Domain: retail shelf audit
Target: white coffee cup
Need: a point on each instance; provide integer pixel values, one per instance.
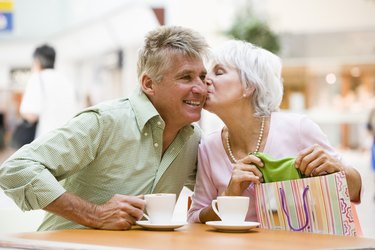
(160, 207)
(231, 209)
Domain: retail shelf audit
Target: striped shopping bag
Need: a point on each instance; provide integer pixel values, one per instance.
(316, 204)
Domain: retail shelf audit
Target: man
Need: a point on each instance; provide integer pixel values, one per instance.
(49, 97)
(111, 154)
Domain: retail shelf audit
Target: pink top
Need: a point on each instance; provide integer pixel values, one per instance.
(288, 135)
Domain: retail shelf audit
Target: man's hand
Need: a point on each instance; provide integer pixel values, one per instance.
(119, 213)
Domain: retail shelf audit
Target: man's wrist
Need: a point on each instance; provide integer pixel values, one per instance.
(93, 217)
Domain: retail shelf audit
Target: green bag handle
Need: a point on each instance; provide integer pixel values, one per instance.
(278, 169)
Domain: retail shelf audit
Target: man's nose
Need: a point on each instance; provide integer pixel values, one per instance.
(200, 87)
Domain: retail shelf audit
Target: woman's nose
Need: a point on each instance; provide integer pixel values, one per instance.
(208, 81)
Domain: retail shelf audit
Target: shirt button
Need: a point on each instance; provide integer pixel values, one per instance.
(159, 123)
(146, 134)
(156, 144)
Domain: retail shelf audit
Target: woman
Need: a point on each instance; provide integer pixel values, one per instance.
(245, 91)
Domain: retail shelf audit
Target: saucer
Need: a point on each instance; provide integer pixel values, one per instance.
(160, 227)
(238, 227)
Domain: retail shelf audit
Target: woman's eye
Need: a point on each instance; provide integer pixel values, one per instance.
(219, 72)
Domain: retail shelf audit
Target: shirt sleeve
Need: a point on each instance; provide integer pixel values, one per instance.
(31, 176)
(205, 190)
(32, 100)
(310, 134)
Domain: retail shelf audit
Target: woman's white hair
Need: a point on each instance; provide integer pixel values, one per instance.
(258, 69)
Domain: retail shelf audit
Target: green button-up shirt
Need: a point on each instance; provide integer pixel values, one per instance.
(112, 148)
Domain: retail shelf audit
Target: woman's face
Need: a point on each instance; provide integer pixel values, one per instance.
(224, 87)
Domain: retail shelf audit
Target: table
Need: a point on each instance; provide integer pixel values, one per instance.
(194, 236)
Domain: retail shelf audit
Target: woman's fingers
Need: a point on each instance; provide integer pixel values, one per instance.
(252, 159)
(247, 168)
(314, 161)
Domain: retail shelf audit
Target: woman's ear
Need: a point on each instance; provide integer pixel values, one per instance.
(248, 91)
(147, 85)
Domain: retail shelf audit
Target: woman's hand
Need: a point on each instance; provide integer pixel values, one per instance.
(314, 161)
(244, 172)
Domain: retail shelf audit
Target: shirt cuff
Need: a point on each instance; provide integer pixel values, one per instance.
(38, 193)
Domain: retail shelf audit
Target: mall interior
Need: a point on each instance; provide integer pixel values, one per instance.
(327, 49)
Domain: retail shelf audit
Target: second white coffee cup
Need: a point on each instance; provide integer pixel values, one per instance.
(231, 209)
(160, 207)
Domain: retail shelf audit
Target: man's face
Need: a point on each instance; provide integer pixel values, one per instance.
(180, 95)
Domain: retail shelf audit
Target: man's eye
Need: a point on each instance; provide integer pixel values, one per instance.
(202, 77)
(186, 77)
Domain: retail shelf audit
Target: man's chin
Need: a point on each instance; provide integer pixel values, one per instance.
(195, 118)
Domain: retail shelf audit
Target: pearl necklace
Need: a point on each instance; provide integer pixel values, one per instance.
(258, 142)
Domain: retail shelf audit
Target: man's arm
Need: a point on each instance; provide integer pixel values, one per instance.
(31, 118)
(119, 213)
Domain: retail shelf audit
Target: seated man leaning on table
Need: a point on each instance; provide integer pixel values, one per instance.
(245, 91)
(110, 154)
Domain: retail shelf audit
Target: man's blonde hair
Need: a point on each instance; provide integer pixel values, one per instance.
(164, 42)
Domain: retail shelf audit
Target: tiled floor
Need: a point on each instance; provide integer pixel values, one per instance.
(361, 160)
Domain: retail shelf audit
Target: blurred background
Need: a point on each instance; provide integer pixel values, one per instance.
(327, 48)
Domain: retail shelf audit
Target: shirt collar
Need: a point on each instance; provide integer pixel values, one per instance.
(144, 111)
(143, 108)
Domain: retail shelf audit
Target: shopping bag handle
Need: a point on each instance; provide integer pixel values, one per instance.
(304, 197)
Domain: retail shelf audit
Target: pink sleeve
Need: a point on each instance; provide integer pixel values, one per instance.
(310, 134)
(205, 190)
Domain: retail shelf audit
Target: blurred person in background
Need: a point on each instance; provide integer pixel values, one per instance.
(111, 154)
(49, 97)
(2, 130)
(4, 116)
(245, 91)
(371, 129)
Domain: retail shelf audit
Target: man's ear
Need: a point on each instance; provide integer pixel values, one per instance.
(147, 85)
